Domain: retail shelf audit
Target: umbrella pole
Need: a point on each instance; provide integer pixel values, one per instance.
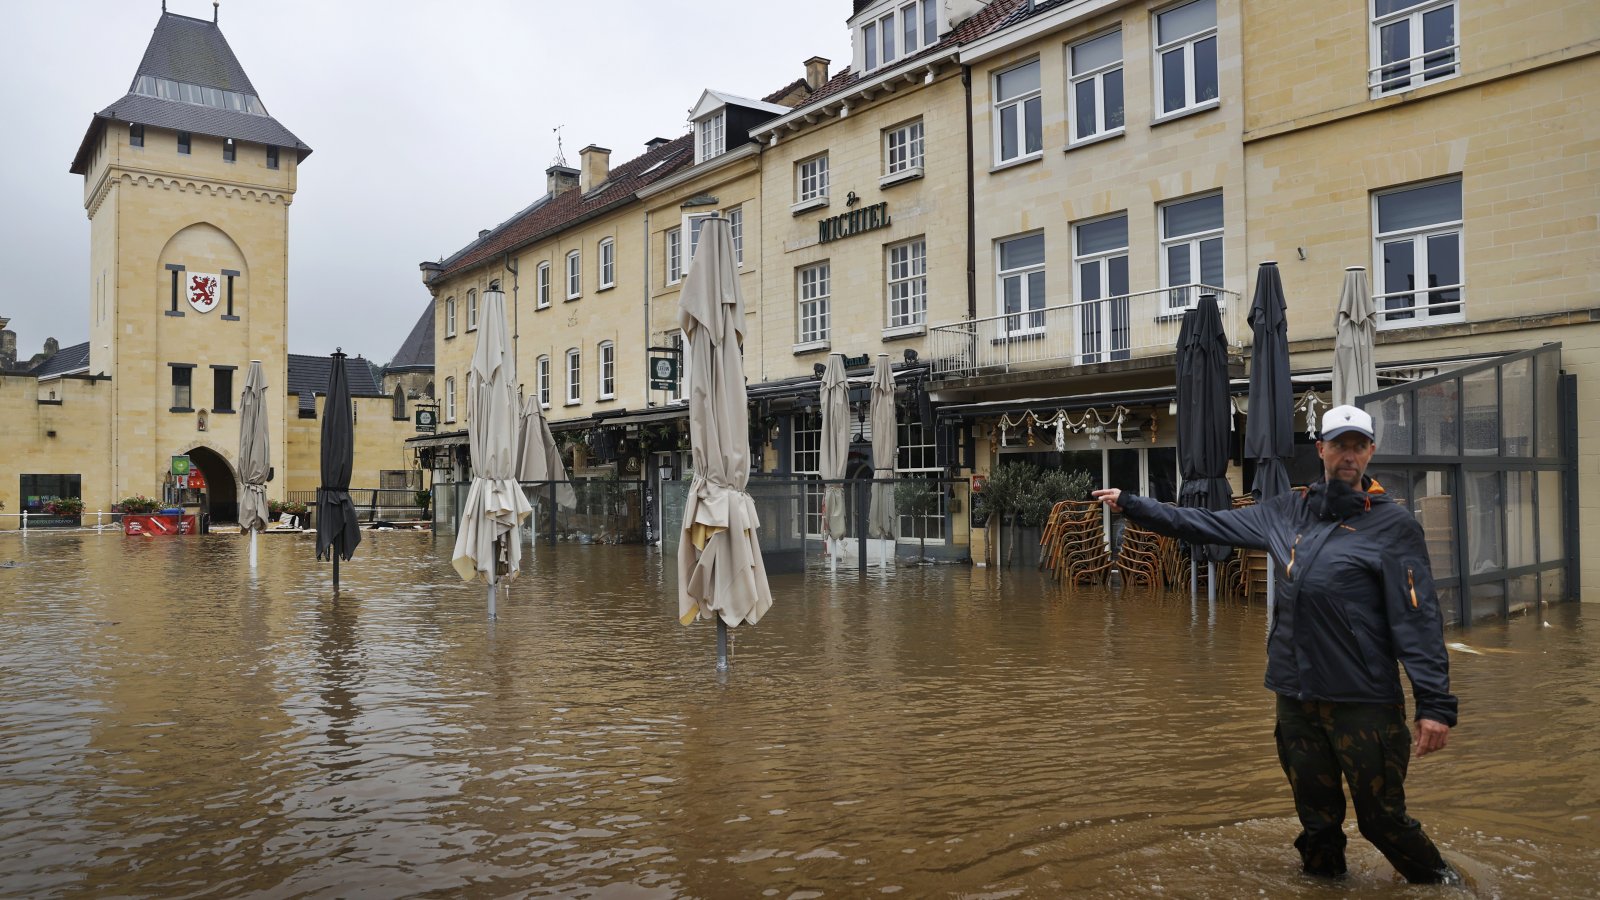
(722, 645)
(335, 549)
(253, 534)
(1211, 582)
(1194, 577)
(491, 596)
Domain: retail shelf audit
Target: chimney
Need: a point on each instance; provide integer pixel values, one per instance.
(962, 10)
(816, 72)
(560, 179)
(483, 233)
(429, 270)
(8, 347)
(595, 163)
(654, 143)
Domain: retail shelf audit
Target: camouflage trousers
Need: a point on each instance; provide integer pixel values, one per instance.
(1369, 745)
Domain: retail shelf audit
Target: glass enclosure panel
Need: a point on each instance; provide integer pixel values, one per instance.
(1547, 400)
(1522, 523)
(1488, 600)
(1553, 586)
(1392, 420)
(1523, 593)
(1516, 388)
(1163, 474)
(1450, 604)
(1440, 434)
(1485, 506)
(1552, 541)
(1481, 434)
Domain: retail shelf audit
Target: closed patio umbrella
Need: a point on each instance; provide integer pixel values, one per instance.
(881, 519)
(538, 458)
(338, 529)
(720, 571)
(1269, 431)
(1355, 329)
(1204, 421)
(835, 451)
(255, 456)
(495, 503)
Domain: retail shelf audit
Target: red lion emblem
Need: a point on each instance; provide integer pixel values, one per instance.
(203, 291)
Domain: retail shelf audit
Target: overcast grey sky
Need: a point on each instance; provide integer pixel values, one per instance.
(427, 121)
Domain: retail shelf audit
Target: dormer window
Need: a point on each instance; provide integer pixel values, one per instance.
(896, 31)
(711, 136)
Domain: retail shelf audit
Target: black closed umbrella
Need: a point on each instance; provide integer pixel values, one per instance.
(338, 531)
(1204, 416)
(1269, 432)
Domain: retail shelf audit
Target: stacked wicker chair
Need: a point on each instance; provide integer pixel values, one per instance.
(1141, 558)
(1073, 543)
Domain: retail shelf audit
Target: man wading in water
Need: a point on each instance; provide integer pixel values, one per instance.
(1354, 596)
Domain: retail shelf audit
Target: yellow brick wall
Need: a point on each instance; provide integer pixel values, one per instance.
(81, 444)
(379, 446)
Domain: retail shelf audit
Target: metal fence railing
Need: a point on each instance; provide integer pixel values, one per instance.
(607, 511)
(372, 504)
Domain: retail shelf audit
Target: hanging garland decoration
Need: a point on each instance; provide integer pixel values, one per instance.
(1091, 420)
(1308, 403)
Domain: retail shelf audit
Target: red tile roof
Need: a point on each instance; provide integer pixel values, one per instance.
(574, 206)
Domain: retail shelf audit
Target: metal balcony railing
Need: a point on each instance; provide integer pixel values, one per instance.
(1125, 327)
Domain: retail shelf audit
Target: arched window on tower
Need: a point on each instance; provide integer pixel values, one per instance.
(399, 403)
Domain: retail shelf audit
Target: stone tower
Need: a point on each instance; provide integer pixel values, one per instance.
(187, 184)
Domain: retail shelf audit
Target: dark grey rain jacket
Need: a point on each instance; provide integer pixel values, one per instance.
(1354, 595)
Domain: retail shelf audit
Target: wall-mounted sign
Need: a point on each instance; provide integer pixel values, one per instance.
(427, 418)
(202, 290)
(856, 362)
(180, 465)
(856, 221)
(663, 373)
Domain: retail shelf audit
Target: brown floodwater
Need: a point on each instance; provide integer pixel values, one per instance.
(171, 726)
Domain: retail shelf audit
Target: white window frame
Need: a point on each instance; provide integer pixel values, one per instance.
(811, 183)
(674, 254)
(574, 360)
(608, 263)
(735, 216)
(450, 317)
(1185, 44)
(1029, 318)
(903, 149)
(1416, 64)
(1020, 101)
(472, 310)
(813, 287)
(608, 370)
(884, 39)
(680, 389)
(1092, 321)
(711, 136)
(574, 274)
(1097, 77)
(450, 399)
(1183, 298)
(917, 453)
(906, 284)
(542, 286)
(1418, 313)
(542, 381)
(805, 463)
(693, 224)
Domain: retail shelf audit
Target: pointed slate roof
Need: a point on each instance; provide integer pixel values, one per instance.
(417, 351)
(192, 52)
(308, 377)
(65, 361)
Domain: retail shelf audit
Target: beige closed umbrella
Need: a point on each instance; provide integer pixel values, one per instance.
(255, 456)
(882, 523)
(720, 571)
(835, 451)
(538, 458)
(1355, 329)
(495, 504)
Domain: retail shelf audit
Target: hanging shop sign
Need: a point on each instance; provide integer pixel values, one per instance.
(427, 418)
(202, 290)
(180, 465)
(663, 373)
(856, 221)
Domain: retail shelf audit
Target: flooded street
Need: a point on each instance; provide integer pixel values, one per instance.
(174, 727)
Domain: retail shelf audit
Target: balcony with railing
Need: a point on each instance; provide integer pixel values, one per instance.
(1088, 333)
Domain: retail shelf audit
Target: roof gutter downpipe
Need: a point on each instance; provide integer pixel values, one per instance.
(511, 266)
(972, 246)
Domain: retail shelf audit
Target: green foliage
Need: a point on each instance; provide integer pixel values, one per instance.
(916, 497)
(138, 504)
(1050, 487)
(1006, 490)
(276, 508)
(64, 506)
(423, 499)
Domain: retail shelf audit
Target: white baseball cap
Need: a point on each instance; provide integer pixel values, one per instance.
(1341, 419)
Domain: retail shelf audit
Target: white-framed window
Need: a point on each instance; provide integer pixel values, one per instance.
(902, 148)
(811, 178)
(674, 238)
(736, 230)
(1417, 245)
(608, 370)
(1186, 57)
(450, 317)
(805, 462)
(813, 287)
(711, 136)
(574, 376)
(693, 223)
(608, 263)
(906, 28)
(1018, 128)
(1100, 276)
(1413, 43)
(1191, 249)
(907, 279)
(542, 381)
(1020, 287)
(472, 310)
(917, 457)
(680, 388)
(542, 285)
(1094, 91)
(574, 275)
(450, 399)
